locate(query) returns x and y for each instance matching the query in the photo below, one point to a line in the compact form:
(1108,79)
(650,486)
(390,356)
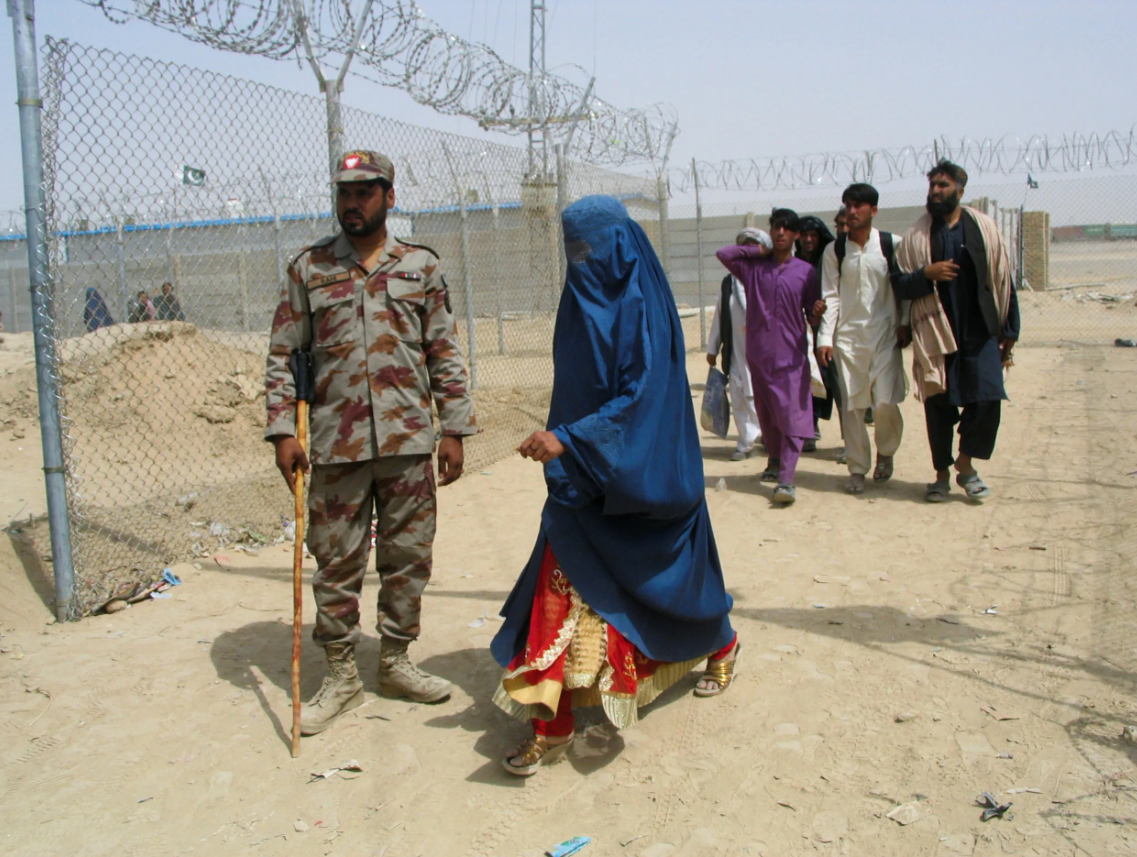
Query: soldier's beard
(365,228)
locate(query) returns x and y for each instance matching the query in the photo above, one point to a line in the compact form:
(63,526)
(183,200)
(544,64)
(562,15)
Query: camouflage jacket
(383,344)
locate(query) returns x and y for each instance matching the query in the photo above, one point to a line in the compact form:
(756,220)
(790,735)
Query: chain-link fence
(175,199)
(1072,240)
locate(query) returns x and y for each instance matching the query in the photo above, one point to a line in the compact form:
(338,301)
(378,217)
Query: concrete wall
(1036,249)
(226,276)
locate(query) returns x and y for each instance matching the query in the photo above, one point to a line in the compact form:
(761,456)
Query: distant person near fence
(167,305)
(953,266)
(374,312)
(142,309)
(95,312)
(728,335)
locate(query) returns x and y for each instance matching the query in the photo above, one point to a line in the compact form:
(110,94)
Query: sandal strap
(533,750)
(530,752)
(721,670)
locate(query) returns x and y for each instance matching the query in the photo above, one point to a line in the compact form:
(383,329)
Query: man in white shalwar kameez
(864,328)
(733,343)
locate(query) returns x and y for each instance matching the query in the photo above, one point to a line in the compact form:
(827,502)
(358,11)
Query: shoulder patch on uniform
(323,242)
(446,294)
(341,277)
(429,250)
(407,275)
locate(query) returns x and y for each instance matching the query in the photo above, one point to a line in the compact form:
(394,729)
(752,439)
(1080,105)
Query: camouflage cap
(361,165)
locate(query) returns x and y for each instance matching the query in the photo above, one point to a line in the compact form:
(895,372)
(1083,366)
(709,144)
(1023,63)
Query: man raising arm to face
(781,291)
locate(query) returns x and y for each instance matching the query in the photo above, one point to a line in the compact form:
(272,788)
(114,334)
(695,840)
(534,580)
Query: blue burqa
(95,313)
(626,514)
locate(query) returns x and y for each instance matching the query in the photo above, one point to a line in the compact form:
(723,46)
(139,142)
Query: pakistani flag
(193,176)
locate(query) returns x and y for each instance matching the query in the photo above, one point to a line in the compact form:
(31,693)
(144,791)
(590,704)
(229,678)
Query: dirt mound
(163,437)
(155,409)
(163,427)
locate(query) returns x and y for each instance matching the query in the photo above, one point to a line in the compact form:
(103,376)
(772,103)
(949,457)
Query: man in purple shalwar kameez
(781,291)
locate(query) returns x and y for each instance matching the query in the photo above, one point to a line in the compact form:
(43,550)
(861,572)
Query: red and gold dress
(572,653)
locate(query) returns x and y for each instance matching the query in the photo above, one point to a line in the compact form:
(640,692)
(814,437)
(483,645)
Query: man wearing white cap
(728,334)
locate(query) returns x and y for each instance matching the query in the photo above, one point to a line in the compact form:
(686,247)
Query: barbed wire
(401,47)
(1005,156)
(434,167)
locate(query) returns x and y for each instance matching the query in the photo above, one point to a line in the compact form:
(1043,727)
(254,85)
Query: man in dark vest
(954,267)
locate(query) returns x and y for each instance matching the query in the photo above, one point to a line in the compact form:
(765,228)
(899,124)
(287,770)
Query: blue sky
(747,78)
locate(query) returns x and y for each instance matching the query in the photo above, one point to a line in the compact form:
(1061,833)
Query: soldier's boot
(399,677)
(341,691)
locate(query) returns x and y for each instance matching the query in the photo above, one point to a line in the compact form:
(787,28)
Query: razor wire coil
(1072,153)
(401,47)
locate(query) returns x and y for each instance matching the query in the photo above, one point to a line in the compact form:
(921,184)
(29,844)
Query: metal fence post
(562,204)
(280,272)
(331,88)
(22,13)
(467,277)
(468,284)
(495,210)
(170,249)
(664,229)
(120,255)
(699,251)
(15,302)
(280,269)
(243,287)
(1018,256)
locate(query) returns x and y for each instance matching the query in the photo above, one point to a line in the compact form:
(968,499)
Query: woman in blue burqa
(95,313)
(624,593)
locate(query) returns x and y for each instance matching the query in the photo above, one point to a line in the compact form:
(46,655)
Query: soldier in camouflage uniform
(374,312)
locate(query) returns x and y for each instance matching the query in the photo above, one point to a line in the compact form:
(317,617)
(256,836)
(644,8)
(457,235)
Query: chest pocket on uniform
(406,306)
(333,314)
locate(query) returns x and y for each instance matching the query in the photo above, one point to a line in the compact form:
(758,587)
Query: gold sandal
(533,753)
(721,672)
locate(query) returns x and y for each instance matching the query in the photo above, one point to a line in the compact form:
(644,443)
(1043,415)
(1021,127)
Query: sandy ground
(895,654)
(22,495)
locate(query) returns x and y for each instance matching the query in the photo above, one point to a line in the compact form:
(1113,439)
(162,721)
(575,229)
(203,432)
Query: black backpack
(887,247)
(726,328)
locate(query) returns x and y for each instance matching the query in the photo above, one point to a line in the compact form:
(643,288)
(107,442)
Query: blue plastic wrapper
(570,846)
(715,415)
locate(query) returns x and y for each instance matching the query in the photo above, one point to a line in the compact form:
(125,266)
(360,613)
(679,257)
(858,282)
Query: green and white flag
(193,176)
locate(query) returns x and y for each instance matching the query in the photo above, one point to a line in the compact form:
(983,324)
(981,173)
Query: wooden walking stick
(300,362)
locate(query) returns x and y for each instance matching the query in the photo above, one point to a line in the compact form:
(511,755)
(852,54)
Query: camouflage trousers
(401,490)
